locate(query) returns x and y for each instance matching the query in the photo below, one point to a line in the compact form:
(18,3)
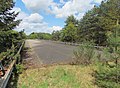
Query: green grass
(64,76)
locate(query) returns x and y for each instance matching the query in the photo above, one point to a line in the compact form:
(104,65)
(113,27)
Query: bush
(19,68)
(107,77)
(84,54)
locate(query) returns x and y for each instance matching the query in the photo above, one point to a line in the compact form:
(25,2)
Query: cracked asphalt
(49,52)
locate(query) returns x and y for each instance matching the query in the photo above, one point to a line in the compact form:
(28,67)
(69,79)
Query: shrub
(84,54)
(107,77)
(19,68)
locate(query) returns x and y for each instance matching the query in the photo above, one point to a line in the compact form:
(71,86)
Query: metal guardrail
(7,76)
(76,44)
(4,80)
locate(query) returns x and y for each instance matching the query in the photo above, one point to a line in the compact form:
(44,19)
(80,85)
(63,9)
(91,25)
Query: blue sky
(49,15)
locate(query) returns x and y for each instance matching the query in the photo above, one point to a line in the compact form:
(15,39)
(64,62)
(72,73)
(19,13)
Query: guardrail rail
(77,44)
(4,80)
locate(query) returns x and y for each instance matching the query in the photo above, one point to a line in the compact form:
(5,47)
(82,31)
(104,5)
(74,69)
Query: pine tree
(7,24)
(109,13)
(90,28)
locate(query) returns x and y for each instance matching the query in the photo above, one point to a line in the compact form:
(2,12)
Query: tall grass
(64,76)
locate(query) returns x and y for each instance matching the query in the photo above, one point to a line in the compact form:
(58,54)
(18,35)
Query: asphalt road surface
(49,52)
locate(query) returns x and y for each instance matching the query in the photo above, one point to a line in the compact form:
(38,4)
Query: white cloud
(33,27)
(34,18)
(22,15)
(62,1)
(16,9)
(34,23)
(62,9)
(56,28)
(72,7)
(98,1)
(37,5)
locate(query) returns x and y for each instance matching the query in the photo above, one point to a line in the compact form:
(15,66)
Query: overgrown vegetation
(100,25)
(10,40)
(65,76)
(85,54)
(19,68)
(7,23)
(107,77)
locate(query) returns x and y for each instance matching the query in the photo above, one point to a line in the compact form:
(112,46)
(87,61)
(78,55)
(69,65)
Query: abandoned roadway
(49,52)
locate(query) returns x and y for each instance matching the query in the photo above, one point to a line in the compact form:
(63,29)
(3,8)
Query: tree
(90,28)
(56,35)
(45,36)
(33,36)
(69,32)
(7,17)
(22,34)
(71,19)
(109,13)
(7,24)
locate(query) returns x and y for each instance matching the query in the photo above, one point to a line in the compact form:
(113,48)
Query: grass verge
(61,76)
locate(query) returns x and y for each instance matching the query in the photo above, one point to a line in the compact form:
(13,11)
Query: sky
(48,15)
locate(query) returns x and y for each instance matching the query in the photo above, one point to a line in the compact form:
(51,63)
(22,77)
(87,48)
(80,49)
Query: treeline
(8,36)
(45,36)
(97,25)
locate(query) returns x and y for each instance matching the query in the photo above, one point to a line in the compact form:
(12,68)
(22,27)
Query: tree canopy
(8,36)
(96,25)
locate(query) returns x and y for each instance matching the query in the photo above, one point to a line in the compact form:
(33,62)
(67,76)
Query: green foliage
(56,35)
(85,54)
(8,54)
(56,77)
(97,23)
(33,36)
(107,77)
(10,40)
(45,36)
(71,19)
(90,28)
(109,12)
(19,68)
(69,32)
(22,34)
(8,37)
(7,17)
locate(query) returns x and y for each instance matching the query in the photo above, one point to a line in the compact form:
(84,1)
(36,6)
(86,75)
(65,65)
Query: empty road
(49,52)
